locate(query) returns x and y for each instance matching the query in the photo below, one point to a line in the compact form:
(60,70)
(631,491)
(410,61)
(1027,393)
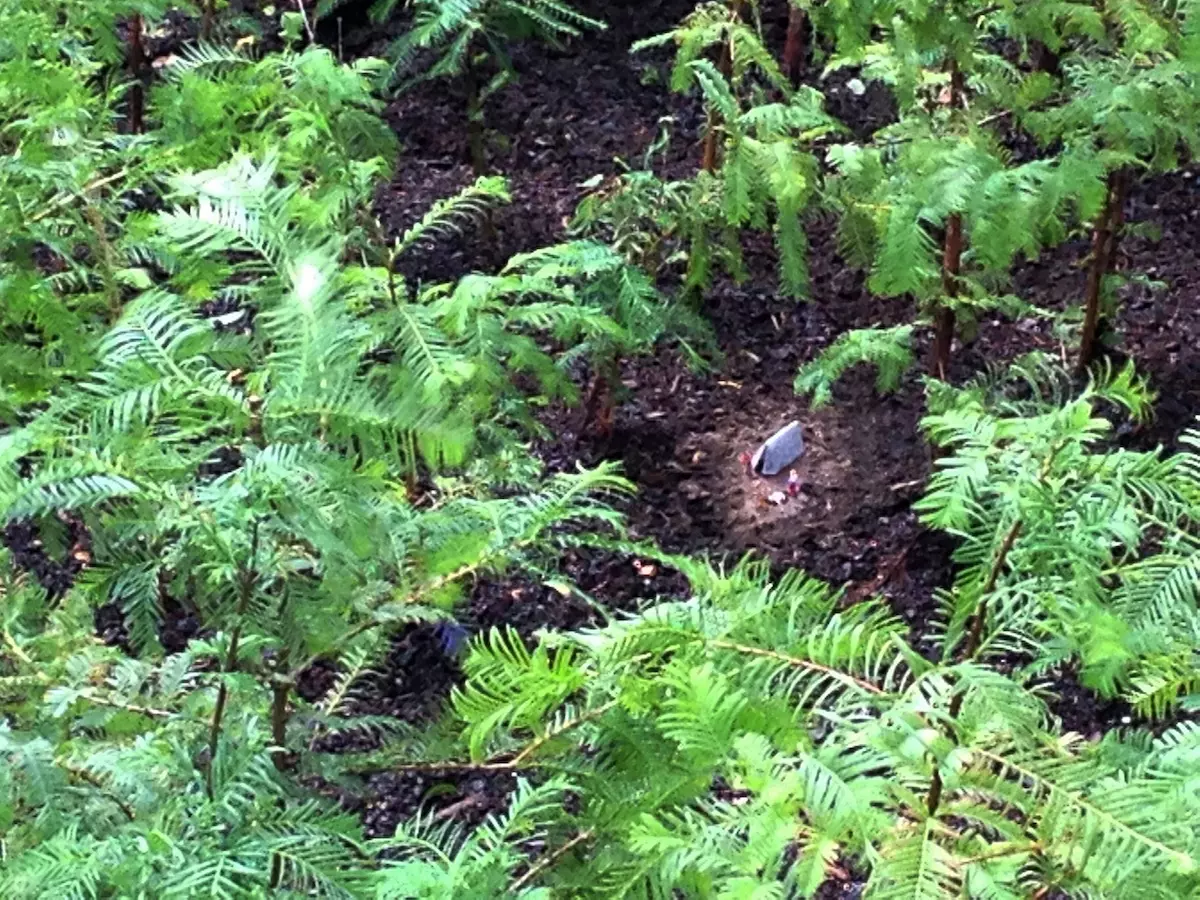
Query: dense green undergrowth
(213,367)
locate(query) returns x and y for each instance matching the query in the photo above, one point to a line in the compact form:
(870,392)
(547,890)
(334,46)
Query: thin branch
(548,860)
(800,664)
(468,802)
(1180,858)
(446,766)
(979,620)
(331,704)
(975,635)
(520,761)
(308,29)
(62,198)
(247,580)
(127,707)
(105,791)
(570,724)
(1035,847)
(15,648)
(65,198)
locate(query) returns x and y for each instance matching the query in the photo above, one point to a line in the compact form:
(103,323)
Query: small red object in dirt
(744,458)
(793,484)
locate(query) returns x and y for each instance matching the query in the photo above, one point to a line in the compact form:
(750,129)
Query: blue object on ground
(779,451)
(452,637)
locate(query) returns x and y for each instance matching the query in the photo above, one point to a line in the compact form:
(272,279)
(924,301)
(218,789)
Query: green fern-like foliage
(767,175)
(62,161)
(77,244)
(1108,91)
(913,48)
(755,736)
(766,182)
(641,216)
(1055,525)
(309,541)
(263,476)
(318,117)
(888,349)
(487,858)
(710,25)
(1130,95)
(117,806)
(893,204)
(747,739)
(469,42)
(453,30)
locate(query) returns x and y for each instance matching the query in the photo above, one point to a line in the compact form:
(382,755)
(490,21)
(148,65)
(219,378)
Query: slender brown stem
(799,663)
(1001,852)
(708,162)
(476,153)
(943,338)
(794,48)
(136,62)
(247,579)
(519,761)
(533,746)
(15,648)
(280,692)
(1097,269)
(952,250)
(971,647)
(598,406)
(415,596)
(979,620)
(86,776)
(63,199)
(974,637)
(958,90)
(1105,235)
(448,766)
(208,16)
(725,67)
(547,861)
(149,711)
(936,787)
(106,259)
(304,17)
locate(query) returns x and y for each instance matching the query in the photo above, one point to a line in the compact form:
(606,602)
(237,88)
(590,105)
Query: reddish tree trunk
(208,16)
(476,152)
(708,161)
(794,50)
(952,250)
(136,61)
(598,406)
(957,86)
(1105,235)
(279,719)
(725,66)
